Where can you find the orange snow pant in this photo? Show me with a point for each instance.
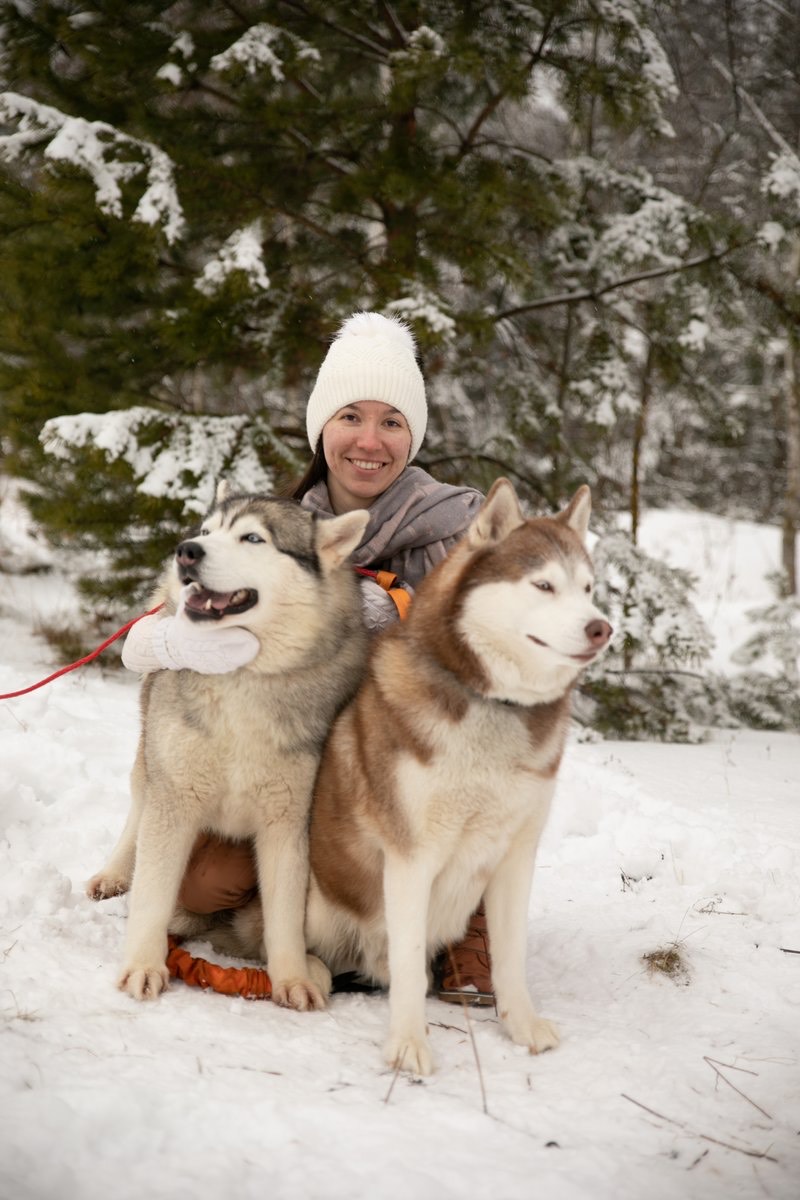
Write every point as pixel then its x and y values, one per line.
pixel 221 874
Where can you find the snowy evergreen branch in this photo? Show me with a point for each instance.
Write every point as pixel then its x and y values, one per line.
pixel 95 147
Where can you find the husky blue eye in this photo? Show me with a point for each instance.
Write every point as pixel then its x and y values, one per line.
pixel 252 537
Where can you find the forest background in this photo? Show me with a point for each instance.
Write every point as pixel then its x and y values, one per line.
pixel 588 212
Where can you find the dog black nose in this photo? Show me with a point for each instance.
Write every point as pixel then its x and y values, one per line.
pixel 189 553
pixel 598 632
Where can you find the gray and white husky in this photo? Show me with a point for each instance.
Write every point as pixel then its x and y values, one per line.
pixel 436 780
pixel 236 754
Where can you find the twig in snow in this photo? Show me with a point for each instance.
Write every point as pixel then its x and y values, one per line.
pixel 706 1137
pixel 20 1014
pixel 715 1067
pixel 699 1159
pixel 387 1097
pixel 470 1029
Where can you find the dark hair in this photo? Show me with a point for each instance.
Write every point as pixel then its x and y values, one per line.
pixel 316 470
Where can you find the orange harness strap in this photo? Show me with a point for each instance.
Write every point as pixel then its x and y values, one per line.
pixel 252 983
pixel 388 581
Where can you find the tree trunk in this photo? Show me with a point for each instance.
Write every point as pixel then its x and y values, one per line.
pixel 791 505
pixel 640 429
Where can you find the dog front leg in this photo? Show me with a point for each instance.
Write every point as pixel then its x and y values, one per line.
pixel 506 898
pixel 115 877
pixel 406 894
pixel 282 855
pixel 162 852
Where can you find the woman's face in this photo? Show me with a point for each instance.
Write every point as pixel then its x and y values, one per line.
pixel 366 447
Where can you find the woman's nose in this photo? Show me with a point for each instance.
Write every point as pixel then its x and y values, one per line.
pixel 368 436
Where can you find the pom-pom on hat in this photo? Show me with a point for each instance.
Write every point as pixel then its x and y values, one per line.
pixel 372 357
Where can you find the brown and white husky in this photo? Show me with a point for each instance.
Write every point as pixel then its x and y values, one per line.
pixel 436 780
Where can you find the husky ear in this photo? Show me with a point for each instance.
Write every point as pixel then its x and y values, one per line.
pixel 222 492
pixel 576 514
pixel 338 537
pixel 499 515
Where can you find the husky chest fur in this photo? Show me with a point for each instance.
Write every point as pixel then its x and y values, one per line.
pixel 436 781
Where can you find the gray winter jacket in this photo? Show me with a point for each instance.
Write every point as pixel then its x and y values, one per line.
pixel 412 525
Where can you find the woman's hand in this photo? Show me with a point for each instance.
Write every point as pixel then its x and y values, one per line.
pixel 179 644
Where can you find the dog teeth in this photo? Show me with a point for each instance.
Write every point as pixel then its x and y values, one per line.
pixel 239 597
pixel 208 605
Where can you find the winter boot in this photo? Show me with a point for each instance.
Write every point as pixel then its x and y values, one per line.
pixel 463 972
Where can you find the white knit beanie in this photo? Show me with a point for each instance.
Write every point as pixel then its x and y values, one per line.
pixel 371 358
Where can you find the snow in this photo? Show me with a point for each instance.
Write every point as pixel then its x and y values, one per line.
pixel 665 1087
pixel 184 461
pixel 243 251
pixel 783 178
pixel 253 51
pixel 98 149
pixel 422 306
pixel 732 562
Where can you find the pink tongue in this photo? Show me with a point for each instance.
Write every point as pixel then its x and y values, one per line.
pixel 199 600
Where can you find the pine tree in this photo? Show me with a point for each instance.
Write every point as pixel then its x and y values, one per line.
pixel 193 196
pixel 650 684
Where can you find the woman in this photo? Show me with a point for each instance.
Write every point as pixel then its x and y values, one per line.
pixel 366 420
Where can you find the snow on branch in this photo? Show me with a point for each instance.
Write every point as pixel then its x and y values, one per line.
pixel 622 15
pixel 243 251
pixel 98 149
pixel 254 51
pixel 420 305
pixel 649 604
pixel 782 180
pixel 421 45
pixel 182 462
pixel 655 227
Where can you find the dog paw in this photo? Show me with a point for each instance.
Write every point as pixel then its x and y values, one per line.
pixel 103 887
pixel 319 974
pixel 144 983
pixel 529 1030
pixel 408 1053
pixel 301 994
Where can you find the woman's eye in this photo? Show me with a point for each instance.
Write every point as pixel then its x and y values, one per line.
pixel 252 537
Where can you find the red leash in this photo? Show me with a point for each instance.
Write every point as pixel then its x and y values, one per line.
pixel 82 661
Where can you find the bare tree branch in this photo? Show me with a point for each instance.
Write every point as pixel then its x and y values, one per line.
pixel 626 281
pixel 393 21
pixel 350 34
pixel 745 96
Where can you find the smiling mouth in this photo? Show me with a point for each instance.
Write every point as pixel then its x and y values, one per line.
pixel 363 464
pixel 205 605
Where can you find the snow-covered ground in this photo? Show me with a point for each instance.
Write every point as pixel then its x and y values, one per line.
pixel 663 1087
